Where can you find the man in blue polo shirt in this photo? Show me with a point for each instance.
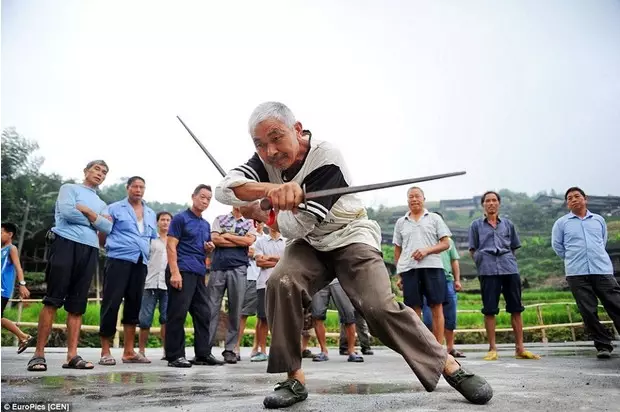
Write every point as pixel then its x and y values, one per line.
pixel 189 242
pixel 128 249
pixel 579 238
pixel 492 245
pixel 232 235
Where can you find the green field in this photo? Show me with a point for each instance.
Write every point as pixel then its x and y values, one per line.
pixel 552 314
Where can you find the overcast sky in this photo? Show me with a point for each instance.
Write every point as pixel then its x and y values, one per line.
pixel 522 95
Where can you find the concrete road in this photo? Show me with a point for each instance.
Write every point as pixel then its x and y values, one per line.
pixel 567 378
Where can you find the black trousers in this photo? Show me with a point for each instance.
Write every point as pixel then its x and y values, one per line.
pixel 193 298
pixel 122 280
pixel 586 289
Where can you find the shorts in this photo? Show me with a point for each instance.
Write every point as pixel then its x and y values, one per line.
pixel 320 301
pixel 449 309
pixel 429 283
pixel 150 298
pixel 249 300
pixel 5 301
pixel 68 274
pixel 261 311
pixel 492 286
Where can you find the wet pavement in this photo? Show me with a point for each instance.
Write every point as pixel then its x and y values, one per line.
pixel 567 378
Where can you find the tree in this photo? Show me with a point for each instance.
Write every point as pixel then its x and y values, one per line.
pixel 28 196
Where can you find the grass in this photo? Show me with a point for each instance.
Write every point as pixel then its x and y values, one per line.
pixel 553 314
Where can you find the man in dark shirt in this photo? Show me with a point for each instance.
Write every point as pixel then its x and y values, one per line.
pixel 492 244
pixel 189 241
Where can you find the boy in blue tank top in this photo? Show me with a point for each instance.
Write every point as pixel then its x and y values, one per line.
pixel 11 266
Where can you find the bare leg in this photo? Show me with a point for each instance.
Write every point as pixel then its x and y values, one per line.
pixel 305 339
pixel 438 322
pixel 46 318
pixel 12 327
pixel 489 325
pixel 517 327
pixel 106 344
pixel 418 310
pixel 74 323
pixel 242 323
pixel 350 331
pixel 449 339
pixel 262 330
pixel 162 332
pixel 129 337
pixel 319 328
pixel 143 337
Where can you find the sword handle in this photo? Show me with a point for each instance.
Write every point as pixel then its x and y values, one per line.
pixel 265 203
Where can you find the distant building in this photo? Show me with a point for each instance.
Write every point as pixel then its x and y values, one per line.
pixel 549 201
pixel 458 204
pixel 604 205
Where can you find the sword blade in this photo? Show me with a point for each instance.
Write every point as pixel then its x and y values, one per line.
pixel 266 203
pixel 204 149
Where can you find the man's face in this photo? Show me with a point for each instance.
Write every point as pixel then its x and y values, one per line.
pixel 260 226
pixel 135 191
pixel 575 200
pixel 276 144
pixel 6 236
pixel 96 174
pixel 202 200
pixel 415 199
pixel 164 222
pixel 491 204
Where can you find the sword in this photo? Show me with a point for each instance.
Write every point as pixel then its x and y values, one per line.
pixel 265 203
pixel 204 149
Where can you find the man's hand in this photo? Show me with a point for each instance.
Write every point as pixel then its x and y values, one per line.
pixel 176 281
pixel 287 196
pixel 419 254
pixel 399 282
pixel 209 247
pixel 254 212
pixel 24 293
pixel 457 285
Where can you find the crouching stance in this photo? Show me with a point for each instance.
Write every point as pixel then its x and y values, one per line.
pixel 329 237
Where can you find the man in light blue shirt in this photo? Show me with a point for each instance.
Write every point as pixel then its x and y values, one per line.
pixel 74 251
pixel 128 249
pixel 579 238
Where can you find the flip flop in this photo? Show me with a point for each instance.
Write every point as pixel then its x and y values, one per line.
pixel 77 362
pixel 37 364
pixel 107 360
pixel 138 358
pixel 29 341
pixel 456 354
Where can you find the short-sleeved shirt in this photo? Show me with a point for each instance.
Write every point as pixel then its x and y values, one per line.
pixel 226 258
pixel 494 246
pixel 271 247
pixel 447 256
pixel 156 269
pixel 192 231
pixel 411 235
pixel 130 239
pixel 253 270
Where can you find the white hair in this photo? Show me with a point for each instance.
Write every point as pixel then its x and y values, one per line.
pixel 271 110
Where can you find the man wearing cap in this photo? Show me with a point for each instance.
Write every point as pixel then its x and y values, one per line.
pixel 72 261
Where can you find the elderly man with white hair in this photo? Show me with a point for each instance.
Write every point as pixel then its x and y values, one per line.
pixel 329 237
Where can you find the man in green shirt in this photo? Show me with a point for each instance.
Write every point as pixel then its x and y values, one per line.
pixel 450 259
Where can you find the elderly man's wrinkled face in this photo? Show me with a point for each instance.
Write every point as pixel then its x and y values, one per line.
pixel 277 144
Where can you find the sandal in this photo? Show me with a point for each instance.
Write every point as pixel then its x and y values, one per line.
pixel 23 344
pixel 137 358
pixel 456 354
pixel 78 363
pixel 37 364
pixel 107 360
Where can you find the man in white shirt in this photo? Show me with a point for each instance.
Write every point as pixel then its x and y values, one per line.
pixel 269 249
pixel 249 300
